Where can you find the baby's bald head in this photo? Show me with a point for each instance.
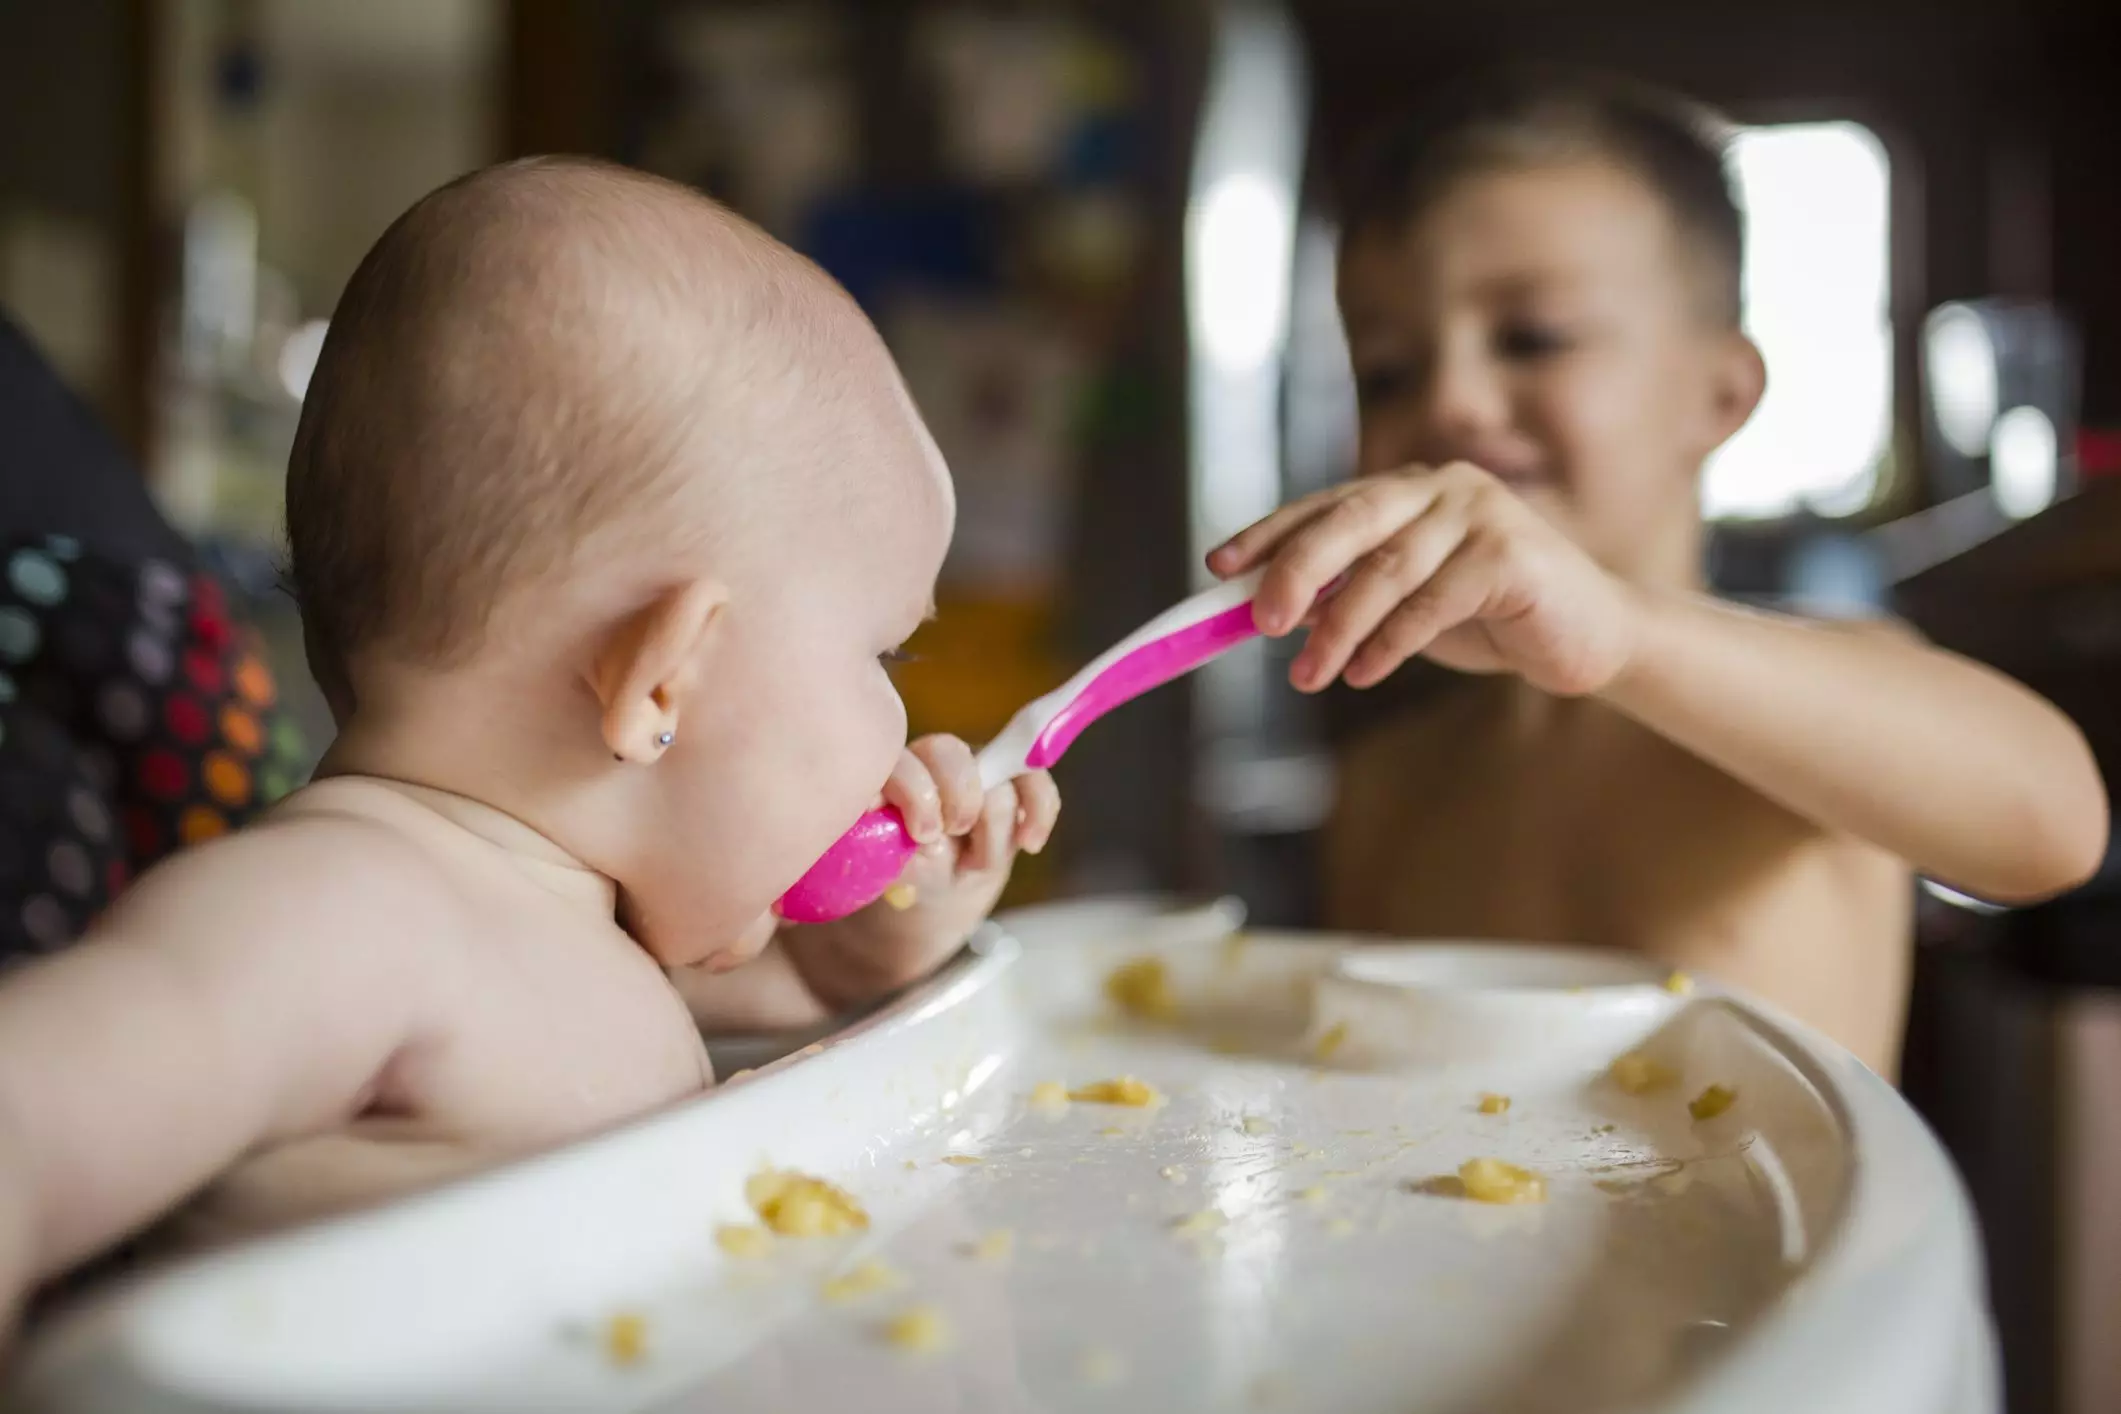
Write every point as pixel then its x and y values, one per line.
pixel 528 370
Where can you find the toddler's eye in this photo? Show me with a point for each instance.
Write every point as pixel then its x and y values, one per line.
pixel 897 657
pixel 1381 383
pixel 1530 341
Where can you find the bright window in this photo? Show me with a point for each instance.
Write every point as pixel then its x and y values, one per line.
pixel 1817 301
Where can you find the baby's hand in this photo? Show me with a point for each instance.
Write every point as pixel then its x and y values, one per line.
pixel 1447 563
pixel 968 841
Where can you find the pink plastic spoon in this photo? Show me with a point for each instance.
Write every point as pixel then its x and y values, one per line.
pixel 866 860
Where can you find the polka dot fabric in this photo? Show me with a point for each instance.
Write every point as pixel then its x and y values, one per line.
pixel 136 717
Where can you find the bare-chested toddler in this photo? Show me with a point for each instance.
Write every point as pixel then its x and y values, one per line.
pixel 1541 279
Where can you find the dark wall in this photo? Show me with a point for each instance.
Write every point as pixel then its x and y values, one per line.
pixel 2082 113
pixel 63 106
pixel 73 135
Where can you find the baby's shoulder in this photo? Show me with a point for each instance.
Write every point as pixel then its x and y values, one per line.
pixel 371 827
pixel 489 876
pixel 319 862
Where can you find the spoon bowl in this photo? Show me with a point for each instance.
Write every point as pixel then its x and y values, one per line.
pixel 853 873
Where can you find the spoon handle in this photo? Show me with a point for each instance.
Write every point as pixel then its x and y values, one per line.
pixel 1170 645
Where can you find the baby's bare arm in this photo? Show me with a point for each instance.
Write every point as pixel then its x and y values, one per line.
pixel 1869 732
pixel 766 994
pixel 249 992
pixel 810 973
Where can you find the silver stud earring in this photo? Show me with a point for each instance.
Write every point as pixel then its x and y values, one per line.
pixel 666 738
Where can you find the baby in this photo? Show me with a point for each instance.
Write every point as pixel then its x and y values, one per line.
pixel 1540 283
pixel 608 514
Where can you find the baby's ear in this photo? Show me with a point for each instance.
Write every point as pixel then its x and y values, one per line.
pixel 648 669
pixel 1740 378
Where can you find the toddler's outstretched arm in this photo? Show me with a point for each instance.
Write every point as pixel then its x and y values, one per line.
pixel 1956 769
pixel 1869 733
pixel 250 991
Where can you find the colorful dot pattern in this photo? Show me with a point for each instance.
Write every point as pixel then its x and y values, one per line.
pixel 136 718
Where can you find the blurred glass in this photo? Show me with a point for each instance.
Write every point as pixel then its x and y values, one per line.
pixel 1817 284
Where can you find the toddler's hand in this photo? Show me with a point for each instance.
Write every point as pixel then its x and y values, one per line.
pixel 968 839
pixel 1443 562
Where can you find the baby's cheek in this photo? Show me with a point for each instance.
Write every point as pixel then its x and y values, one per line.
pixel 885 734
pixel 892 713
pixel 753 940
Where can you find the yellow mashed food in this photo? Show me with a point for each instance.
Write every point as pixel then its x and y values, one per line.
pixel 1493 1181
pixel 626 1338
pixel 1637 1074
pixel 1712 1102
pixel 1330 1041
pixel 796 1205
pixel 1142 988
pixel 1494 1104
pixel 1124 1090
pixel 996 1246
pixel 1204 1223
pixel 859 1280
pixel 743 1240
pixel 920 1329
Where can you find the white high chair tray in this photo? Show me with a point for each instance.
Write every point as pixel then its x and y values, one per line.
pixel 1282 1233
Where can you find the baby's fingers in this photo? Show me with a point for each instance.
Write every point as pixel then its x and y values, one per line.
pixel 1037 807
pixel 989 846
pixel 912 789
pixel 951 766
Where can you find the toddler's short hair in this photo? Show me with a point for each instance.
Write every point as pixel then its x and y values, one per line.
pixel 1529 117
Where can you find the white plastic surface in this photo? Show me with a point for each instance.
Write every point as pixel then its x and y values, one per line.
pixel 1809 1249
pixel 1491 1003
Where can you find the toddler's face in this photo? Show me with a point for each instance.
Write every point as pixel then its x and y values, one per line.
pixel 800 724
pixel 1543 324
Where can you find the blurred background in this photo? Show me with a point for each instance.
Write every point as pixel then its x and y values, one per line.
pixel 1099 237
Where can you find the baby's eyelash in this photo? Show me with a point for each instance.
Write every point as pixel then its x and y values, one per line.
pixel 897 657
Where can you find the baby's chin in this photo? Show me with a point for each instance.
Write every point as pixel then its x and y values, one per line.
pixel 755 938
pixel 727 952
pixel 717 947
